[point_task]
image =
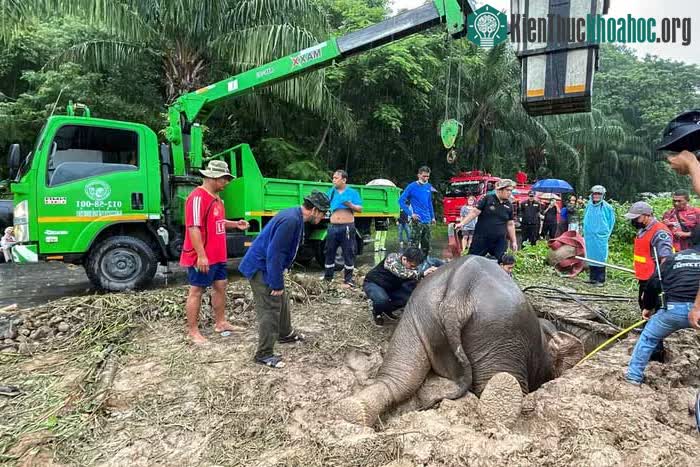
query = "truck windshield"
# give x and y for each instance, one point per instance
(468, 188)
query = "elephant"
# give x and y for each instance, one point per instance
(470, 323)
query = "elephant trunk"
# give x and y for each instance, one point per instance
(404, 369)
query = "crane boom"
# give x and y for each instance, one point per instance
(191, 109)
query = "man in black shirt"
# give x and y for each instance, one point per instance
(549, 219)
(390, 283)
(495, 213)
(530, 218)
(679, 286)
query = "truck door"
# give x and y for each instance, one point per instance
(94, 175)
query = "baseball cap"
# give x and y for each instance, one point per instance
(640, 208)
(319, 200)
(682, 133)
(531, 193)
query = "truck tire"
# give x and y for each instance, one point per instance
(121, 263)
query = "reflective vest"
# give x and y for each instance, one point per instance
(644, 263)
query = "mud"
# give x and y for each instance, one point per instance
(173, 404)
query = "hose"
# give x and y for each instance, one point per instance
(605, 344)
(572, 297)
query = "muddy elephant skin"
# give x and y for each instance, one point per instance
(466, 322)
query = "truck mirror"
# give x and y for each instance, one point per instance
(13, 160)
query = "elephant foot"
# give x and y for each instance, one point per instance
(355, 411)
(501, 401)
(365, 407)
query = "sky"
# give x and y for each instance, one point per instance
(637, 8)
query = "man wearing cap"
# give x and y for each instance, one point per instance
(204, 250)
(345, 202)
(652, 244)
(598, 224)
(680, 280)
(419, 196)
(272, 252)
(495, 214)
(530, 218)
(681, 219)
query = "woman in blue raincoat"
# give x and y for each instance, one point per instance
(598, 224)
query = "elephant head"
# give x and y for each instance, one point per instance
(564, 349)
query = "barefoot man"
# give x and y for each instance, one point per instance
(204, 251)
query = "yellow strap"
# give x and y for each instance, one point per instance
(640, 259)
(605, 344)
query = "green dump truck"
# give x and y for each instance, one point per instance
(108, 195)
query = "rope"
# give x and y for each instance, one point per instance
(605, 344)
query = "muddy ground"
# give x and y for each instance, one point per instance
(151, 398)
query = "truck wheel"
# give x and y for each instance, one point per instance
(121, 263)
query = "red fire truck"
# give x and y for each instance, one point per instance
(477, 183)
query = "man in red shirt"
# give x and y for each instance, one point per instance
(204, 251)
(681, 219)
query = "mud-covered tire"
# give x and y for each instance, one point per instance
(121, 263)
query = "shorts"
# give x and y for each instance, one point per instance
(468, 232)
(217, 272)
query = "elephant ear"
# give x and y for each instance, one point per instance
(565, 350)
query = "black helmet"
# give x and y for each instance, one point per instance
(319, 200)
(682, 133)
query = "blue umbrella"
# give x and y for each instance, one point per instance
(552, 185)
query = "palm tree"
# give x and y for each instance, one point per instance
(196, 41)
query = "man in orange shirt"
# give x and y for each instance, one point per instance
(681, 219)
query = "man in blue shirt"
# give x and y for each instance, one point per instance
(264, 264)
(420, 197)
(345, 202)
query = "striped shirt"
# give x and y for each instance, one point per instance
(205, 211)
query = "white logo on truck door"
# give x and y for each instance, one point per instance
(98, 190)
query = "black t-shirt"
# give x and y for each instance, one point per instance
(530, 212)
(494, 216)
(550, 217)
(681, 279)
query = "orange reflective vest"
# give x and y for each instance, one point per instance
(644, 263)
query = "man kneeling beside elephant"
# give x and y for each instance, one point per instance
(469, 323)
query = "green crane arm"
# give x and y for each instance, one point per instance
(184, 115)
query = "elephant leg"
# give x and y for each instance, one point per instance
(404, 369)
(501, 400)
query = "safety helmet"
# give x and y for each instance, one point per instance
(318, 200)
(598, 189)
(682, 133)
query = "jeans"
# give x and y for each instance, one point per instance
(404, 230)
(386, 301)
(662, 324)
(343, 236)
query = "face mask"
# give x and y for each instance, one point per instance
(422, 182)
(636, 224)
